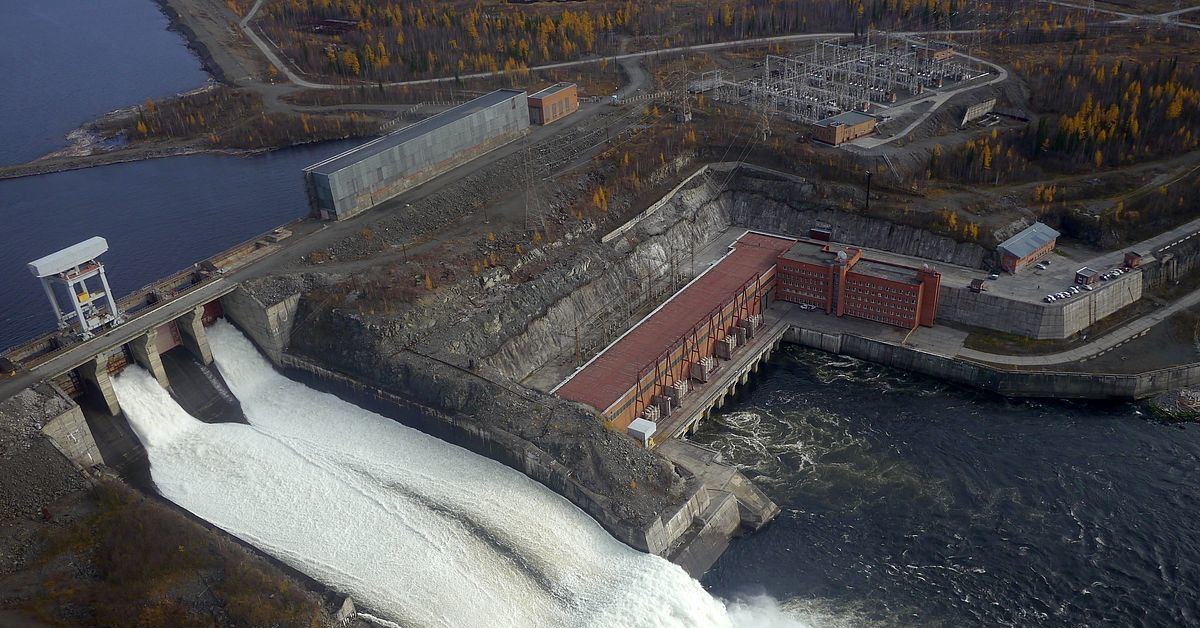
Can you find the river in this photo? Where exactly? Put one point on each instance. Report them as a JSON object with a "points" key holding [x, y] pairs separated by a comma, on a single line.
{"points": [[73, 61], [908, 502], [65, 62]]}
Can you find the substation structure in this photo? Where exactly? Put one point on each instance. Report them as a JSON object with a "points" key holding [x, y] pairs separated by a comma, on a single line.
{"points": [[838, 75]]}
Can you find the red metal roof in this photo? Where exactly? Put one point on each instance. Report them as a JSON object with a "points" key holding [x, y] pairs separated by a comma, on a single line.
{"points": [[614, 372]]}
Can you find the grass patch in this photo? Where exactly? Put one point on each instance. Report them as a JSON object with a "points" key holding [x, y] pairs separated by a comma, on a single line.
{"points": [[137, 562], [1004, 343]]}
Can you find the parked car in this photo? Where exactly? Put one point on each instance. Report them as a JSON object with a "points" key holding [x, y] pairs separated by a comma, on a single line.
{"points": [[1089, 287], [1049, 298], [1073, 289], [994, 276]]}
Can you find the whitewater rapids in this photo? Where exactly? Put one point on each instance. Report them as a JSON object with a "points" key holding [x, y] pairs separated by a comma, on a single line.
{"points": [[419, 531]]}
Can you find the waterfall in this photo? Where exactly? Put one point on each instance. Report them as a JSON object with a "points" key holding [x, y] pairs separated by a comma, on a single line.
{"points": [[418, 531]]}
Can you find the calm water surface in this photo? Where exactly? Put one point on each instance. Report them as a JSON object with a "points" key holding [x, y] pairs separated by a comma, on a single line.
{"points": [[65, 62], [908, 502], [159, 216]]}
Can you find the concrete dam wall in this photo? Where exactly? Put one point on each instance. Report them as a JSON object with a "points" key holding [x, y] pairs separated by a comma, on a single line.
{"points": [[1012, 383]]}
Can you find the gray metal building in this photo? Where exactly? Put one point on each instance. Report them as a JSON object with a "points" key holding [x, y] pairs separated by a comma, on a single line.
{"points": [[347, 184]]}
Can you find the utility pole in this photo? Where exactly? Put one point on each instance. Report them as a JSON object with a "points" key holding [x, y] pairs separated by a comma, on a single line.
{"points": [[869, 173]]}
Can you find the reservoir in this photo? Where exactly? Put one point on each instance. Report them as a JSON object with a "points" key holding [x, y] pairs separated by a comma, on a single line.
{"points": [[906, 502], [66, 62], [160, 215]]}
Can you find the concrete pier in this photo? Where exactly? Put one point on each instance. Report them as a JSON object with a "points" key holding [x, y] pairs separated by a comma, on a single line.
{"points": [[69, 432], [145, 353], [268, 325], [732, 373], [191, 332], [95, 373]]}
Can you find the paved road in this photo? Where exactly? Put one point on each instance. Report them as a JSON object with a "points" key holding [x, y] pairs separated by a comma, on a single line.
{"points": [[271, 55], [1104, 343], [1132, 17], [139, 324], [939, 99]]}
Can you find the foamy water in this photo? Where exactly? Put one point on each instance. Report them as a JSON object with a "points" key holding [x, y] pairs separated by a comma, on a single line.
{"points": [[420, 532]]}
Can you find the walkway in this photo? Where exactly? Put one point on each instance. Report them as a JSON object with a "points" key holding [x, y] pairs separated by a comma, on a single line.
{"points": [[1104, 343], [137, 325]]}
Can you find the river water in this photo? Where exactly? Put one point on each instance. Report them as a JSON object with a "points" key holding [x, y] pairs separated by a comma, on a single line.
{"points": [[65, 62], [907, 502], [70, 61], [421, 532]]}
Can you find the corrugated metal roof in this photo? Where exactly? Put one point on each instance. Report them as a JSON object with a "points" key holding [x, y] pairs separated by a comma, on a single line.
{"points": [[614, 371], [846, 117], [550, 91], [69, 257], [412, 131], [1030, 239]]}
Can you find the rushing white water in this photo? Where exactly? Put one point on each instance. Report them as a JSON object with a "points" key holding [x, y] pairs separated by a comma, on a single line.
{"points": [[421, 532]]}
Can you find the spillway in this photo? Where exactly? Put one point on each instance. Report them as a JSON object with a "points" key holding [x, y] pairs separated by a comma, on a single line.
{"points": [[419, 531]]}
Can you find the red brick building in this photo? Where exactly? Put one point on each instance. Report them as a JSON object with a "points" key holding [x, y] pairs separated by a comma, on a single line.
{"points": [[1027, 247], [841, 282], [553, 103]]}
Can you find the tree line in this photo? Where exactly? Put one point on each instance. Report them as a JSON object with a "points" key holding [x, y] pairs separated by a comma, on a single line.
{"points": [[389, 40]]}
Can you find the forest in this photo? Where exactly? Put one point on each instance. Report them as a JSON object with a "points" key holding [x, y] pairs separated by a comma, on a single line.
{"points": [[388, 40], [1106, 104], [223, 117], [1093, 113]]}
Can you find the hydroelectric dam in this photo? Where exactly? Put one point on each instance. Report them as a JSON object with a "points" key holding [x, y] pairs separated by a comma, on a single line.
{"points": [[182, 388]]}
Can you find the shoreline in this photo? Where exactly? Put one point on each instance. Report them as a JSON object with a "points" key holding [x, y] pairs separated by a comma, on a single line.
{"points": [[34, 168], [75, 153], [193, 42]]}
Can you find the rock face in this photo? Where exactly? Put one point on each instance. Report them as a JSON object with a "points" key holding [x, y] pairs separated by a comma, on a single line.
{"points": [[634, 494], [537, 322], [461, 351], [790, 206]]}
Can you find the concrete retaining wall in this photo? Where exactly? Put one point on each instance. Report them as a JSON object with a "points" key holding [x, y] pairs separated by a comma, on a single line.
{"points": [[1172, 264], [269, 326], [71, 435], [1061, 319], [1013, 383]]}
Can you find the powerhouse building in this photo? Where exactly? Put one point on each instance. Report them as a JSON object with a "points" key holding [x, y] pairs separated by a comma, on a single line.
{"points": [[648, 371], [842, 282], [347, 184]]}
